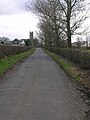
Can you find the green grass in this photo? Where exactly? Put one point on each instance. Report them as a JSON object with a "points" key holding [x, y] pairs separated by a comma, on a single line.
{"points": [[8, 62], [88, 50], [85, 50], [66, 65]]}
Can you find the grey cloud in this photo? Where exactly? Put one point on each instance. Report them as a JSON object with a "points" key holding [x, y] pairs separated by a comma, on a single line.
{"points": [[12, 6]]}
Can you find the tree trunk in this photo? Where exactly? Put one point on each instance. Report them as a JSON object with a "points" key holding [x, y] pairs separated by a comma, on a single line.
{"points": [[68, 24], [57, 41], [69, 40]]}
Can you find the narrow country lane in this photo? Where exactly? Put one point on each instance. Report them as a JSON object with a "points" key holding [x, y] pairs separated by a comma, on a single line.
{"points": [[39, 90]]}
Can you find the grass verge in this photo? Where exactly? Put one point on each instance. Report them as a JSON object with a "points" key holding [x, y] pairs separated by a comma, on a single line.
{"points": [[66, 65], [7, 62]]}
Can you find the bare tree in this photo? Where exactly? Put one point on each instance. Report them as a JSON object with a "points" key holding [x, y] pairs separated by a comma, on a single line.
{"points": [[48, 12], [66, 16], [47, 31], [74, 13]]}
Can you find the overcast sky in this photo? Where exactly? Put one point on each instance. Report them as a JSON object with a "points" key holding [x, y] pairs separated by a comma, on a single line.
{"points": [[15, 21]]}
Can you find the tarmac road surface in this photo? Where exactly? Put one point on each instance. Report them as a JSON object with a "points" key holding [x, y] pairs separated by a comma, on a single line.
{"points": [[39, 90]]}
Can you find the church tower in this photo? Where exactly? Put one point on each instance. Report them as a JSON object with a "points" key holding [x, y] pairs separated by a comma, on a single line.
{"points": [[31, 37]]}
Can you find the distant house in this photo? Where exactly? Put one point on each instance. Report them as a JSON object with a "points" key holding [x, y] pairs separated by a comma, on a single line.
{"points": [[4, 41], [22, 42], [80, 44], [16, 42], [74, 44]]}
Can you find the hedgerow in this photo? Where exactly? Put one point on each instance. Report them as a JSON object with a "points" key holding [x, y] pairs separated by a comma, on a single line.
{"points": [[12, 50], [76, 55]]}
